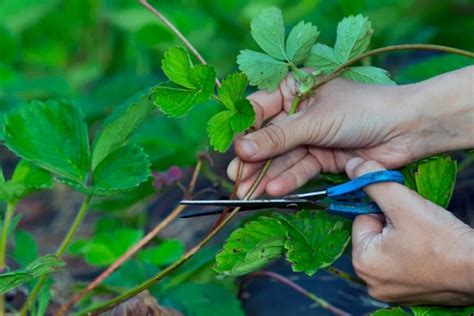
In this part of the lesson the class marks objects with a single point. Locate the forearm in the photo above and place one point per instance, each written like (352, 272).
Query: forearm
(442, 112)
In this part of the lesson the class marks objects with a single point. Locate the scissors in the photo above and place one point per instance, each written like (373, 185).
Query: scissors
(348, 198)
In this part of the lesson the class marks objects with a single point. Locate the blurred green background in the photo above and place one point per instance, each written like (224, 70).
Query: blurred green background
(100, 53)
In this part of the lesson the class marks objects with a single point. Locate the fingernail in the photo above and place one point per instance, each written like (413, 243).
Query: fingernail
(248, 147)
(353, 163)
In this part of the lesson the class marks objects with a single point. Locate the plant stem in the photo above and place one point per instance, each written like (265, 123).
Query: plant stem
(278, 277)
(148, 283)
(62, 248)
(175, 30)
(133, 250)
(344, 275)
(294, 105)
(3, 246)
(392, 48)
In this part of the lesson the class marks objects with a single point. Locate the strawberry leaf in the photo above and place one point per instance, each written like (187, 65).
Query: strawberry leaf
(244, 117)
(252, 246)
(122, 170)
(435, 179)
(262, 70)
(42, 266)
(268, 30)
(396, 311)
(232, 90)
(219, 130)
(300, 41)
(176, 65)
(322, 58)
(191, 84)
(25, 179)
(353, 37)
(315, 239)
(51, 135)
(368, 74)
(122, 123)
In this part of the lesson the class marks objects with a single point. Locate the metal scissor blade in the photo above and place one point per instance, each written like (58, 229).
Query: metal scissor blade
(248, 205)
(254, 204)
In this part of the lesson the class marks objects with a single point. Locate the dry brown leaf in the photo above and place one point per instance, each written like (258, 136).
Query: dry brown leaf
(142, 304)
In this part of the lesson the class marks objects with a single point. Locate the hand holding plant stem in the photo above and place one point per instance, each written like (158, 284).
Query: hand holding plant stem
(394, 125)
(305, 92)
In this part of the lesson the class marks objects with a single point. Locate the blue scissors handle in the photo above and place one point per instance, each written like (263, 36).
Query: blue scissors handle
(354, 187)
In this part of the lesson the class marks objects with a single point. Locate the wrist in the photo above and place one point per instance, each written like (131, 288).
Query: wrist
(439, 112)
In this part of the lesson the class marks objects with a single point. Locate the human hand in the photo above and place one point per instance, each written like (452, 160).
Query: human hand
(393, 125)
(418, 253)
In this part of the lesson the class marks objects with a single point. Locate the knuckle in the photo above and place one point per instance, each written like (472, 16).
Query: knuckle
(275, 136)
(368, 166)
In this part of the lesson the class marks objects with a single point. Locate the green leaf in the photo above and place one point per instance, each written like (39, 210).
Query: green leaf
(442, 311)
(244, 117)
(176, 65)
(300, 41)
(252, 246)
(42, 266)
(26, 249)
(368, 74)
(219, 130)
(51, 135)
(122, 123)
(122, 170)
(396, 311)
(100, 251)
(322, 58)
(31, 176)
(262, 70)
(268, 30)
(435, 179)
(315, 239)
(205, 300)
(165, 253)
(232, 90)
(353, 37)
(176, 100)
(25, 179)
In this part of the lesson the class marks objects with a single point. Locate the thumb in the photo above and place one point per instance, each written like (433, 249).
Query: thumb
(395, 200)
(272, 140)
(365, 227)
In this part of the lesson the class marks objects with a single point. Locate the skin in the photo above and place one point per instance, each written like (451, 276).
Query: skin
(417, 253)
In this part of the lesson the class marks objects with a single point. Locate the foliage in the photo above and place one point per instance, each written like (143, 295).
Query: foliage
(41, 266)
(192, 85)
(106, 54)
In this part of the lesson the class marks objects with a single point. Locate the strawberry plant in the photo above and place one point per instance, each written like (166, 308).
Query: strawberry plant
(110, 167)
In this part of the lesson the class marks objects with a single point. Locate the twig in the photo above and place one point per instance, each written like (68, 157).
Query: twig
(62, 248)
(109, 304)
(344, 275)
(132, 251)
(240, 170)
(177, 32)
(392, 48)
(280, 278)
(148, 283)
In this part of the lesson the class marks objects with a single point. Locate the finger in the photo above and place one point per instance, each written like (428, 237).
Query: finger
(273, 140)
(365, 227)
(266, 105)
(294, 177)
(279, 165)
(396, 201)
(249, 168)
